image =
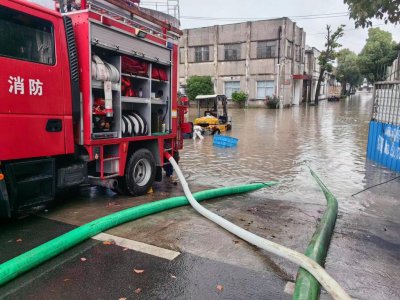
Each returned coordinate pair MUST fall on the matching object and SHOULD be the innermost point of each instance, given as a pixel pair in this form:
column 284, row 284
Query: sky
column 315, row 28
column 311, row 15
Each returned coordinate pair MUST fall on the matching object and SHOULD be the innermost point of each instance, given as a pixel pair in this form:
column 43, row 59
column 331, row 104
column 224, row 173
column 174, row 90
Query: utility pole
column 277, row 78
column 278, row 65
column 398, row 65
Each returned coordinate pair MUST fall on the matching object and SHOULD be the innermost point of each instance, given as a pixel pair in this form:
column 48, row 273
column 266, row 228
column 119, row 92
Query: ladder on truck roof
column 169, row 7
column 173, row 8
column 131, row 15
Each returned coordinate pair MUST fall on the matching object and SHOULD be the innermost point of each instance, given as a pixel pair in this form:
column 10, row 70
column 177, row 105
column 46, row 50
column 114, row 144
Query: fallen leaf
column 173, row 276
column 220, row 287
column 138, row 290
column 83, row 259
column 122, row 298
column 113, row 204
column 66, row 279
column 137, row 271
column 109, row 242
column 19, row 240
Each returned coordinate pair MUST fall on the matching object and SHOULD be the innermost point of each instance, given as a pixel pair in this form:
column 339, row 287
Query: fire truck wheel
column 140, row 172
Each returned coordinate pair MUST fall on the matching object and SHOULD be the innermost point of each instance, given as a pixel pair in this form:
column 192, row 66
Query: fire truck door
column 32, row 108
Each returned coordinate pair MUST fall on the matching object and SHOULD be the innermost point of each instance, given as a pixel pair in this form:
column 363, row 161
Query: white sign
column 17, row 86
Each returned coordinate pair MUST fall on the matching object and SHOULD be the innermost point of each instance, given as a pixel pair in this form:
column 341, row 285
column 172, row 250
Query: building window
column 230, row 87
column 232, row 52
column 182, row 55
column 297, row 53
column 289, row 50
column 299, row 69
column 201, row 53
column 266, row 49
column 265, row 88
column 26, row 37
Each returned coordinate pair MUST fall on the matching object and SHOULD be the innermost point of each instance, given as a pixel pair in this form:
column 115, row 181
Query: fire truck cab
column 87, row 94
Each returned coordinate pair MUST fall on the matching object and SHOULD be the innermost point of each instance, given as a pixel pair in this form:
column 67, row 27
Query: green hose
column 28, row 260
column 307, row 287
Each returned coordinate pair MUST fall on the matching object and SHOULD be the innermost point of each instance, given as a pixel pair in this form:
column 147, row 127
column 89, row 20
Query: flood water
column 331, row 138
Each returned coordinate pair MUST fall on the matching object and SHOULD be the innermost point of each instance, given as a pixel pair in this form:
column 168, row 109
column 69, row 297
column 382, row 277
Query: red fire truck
column 88, row 93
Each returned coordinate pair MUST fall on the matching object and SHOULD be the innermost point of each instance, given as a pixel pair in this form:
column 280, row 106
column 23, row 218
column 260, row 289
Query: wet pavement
column 273, row 145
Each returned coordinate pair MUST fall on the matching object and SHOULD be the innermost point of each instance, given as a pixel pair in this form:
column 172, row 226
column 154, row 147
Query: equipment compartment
column 141, row 93
column 106, row 93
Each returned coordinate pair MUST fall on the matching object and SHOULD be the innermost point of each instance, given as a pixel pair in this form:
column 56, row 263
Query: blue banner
column 384, row 144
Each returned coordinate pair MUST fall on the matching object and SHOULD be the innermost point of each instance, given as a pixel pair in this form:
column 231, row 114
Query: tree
column 379, row 51
column 240, row 97
column 347, row 71
column 362, row 11
column 199, row 85
column 327, row 56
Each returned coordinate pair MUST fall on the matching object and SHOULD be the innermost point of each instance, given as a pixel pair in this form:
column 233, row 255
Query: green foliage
column 379, row 51
column 240, row 97
column 328, row 55
column 348, row 70
column 362, row 11
column 272, row 102
column 199, row 85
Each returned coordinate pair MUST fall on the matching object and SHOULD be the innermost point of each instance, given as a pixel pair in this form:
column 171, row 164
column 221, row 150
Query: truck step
column 71, row 175
column 32, row 182
column 35, row 178
column 33, row 202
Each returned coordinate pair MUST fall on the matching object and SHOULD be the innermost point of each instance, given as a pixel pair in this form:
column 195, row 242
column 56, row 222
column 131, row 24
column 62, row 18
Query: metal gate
column 384, row 129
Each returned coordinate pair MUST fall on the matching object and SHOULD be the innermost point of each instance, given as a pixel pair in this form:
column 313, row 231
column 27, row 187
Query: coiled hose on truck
column 332, row 287
column 28, row 260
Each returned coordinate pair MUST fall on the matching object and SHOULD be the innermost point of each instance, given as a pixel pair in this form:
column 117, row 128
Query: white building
column 262, row 58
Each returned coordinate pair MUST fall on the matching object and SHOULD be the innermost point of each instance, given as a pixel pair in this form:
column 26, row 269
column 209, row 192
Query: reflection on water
column 278, row 144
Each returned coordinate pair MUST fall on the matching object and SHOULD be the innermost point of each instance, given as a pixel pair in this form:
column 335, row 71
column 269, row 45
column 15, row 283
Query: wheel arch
column 151, row 145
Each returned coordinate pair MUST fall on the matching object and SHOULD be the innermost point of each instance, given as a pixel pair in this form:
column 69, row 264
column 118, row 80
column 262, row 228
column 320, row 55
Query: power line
column 313, row 16
column 258, row 19
column 370, row 187
column 351, row 29
column 208, row 18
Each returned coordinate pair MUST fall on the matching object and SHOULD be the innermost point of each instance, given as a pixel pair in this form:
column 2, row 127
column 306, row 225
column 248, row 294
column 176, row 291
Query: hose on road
column 333, row 288
column 28, row 260
column 307, row 287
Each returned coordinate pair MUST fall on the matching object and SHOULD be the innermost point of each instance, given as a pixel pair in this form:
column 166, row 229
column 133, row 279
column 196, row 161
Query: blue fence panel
column 384, row 144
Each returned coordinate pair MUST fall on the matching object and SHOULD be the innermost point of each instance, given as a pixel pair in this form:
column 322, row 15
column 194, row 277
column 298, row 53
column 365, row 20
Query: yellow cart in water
column 212, row 113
